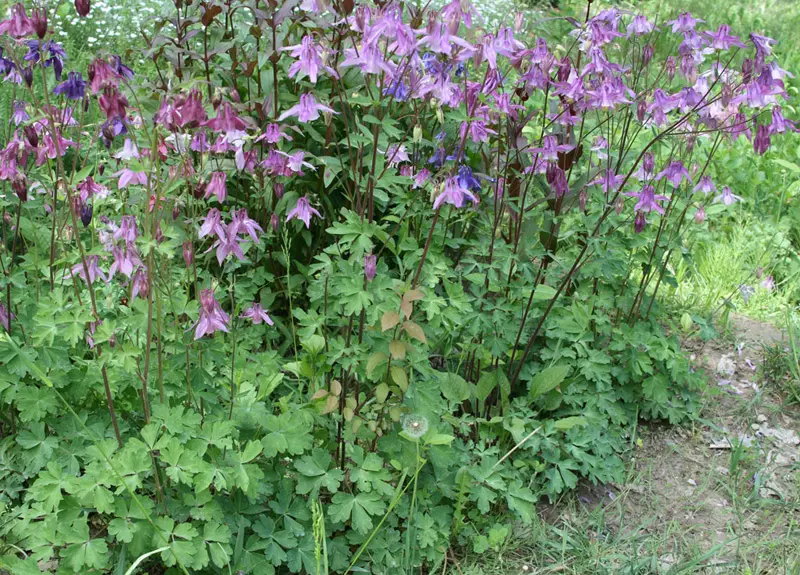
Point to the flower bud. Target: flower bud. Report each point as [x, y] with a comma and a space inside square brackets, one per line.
[278, 189]
[20, 186]
[27, 76]
[370, 266]
[647, 54]
[619, 205]
[112, 340]
[439, 114]
[188, 253]
[639, 222]
[417, 134]
[274, 222]
[39, 21]
[641, 110]
[86, 214]
[700, 215]
[649, 163]
[519, 22]
[31, 136]
[582, 200]
[670, 67]
[83, 7]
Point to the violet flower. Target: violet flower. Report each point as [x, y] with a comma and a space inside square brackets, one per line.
[273, 134]
[127, 229]
[721, 40]
[705, 185]
[211, 224]
[309, 62]
[303, 212]
[454, 194]
[257, 314]
[217, 187]
[226, 245]
[675, 173]
[727, 197]
[684, 23]
[188, 253]
[242, 224]
[125, 260]
[307, 110]
[212, 316]
[21, 115]
[141, 285]
[648, 200]
[761, 142]
[700, 215]
[94, 270]
[226, 121]
[73, 88]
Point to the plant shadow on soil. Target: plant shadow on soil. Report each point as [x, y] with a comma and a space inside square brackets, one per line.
[720, 495]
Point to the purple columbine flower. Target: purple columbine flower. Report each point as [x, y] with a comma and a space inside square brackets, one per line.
[454, 194]
[648, 200]
[94, 270]
[303, 212]
[73, 88]
[675, 173]
[768, 283]
[640, 25]
[370, 266]
[309, 62]
[608, 180]
[226, 121]
[684, 23]
[273, 134]
[779, 123]
[242, 224]
[257, 314]
[141, 285]
[727, 197]
[227, 244]
[21, 115]
[127, 229]
[721, 40]
[211, 224]
[395, 154]
[705, 185]
[125, 260]
[557, 179]
[369, 59]
[466, 179]
[212, 316]
[307, 110]
[761, 142]
[217, 187]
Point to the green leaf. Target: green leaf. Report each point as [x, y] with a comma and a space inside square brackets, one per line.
[314, 473]
[487, 383]
[569, 422]
[788, 165]
[454, 387]
[544, 293]
[89, 554]
[547, 380]
[268, 384]
[356, 508]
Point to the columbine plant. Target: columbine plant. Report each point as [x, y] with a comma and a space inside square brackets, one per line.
[453, 225]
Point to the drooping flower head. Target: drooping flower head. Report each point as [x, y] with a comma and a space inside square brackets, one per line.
[257, 314]
[307, 110]
[212, 317]
[454, 194]
[303, 212]
[370, 266]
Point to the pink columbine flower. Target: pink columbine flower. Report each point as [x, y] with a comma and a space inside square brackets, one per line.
[125, 260]
[128, 176]
[768, 283]
[309, 62]
[684, 23]
[700, 215]
[303, 212]
[226, 245]
[212, 316]
[395, 154]
[727, 197]
[307, 110]
[211, 224]
[273, 134]
[257, 314]
[217, 187]
[127, 229]
[226, 121]
[242, 224]
[141, 285]
[188, 253]
[648, 200]
[296, 162]
[19, 25]
[454, 195]
[94, 270]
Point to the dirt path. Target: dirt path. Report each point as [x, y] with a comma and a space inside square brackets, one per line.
[724, 493]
